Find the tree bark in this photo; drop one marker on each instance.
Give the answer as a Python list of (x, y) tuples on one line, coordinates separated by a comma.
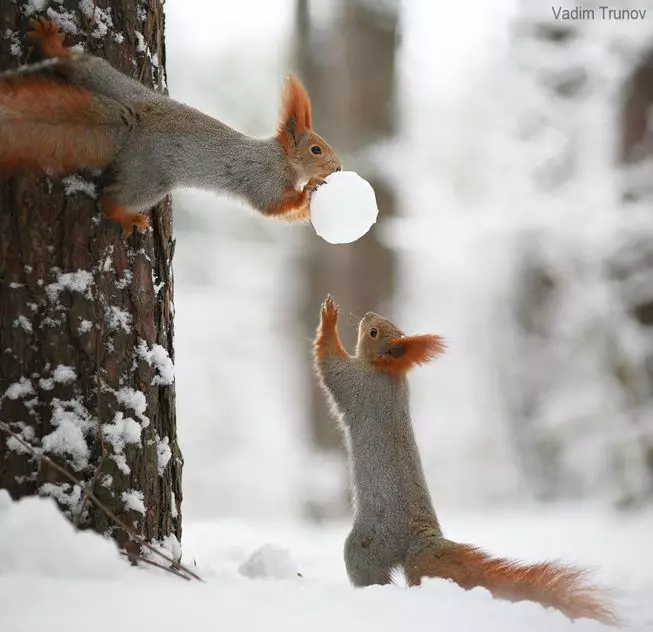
[(86, 317)]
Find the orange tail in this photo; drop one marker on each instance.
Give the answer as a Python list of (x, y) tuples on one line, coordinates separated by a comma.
[(550, 584), (53, 126)]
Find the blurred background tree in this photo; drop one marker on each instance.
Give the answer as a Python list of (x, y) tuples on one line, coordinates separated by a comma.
[(510, 154), (349, 69)]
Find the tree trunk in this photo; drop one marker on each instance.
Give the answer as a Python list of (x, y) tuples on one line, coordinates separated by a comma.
[(635, 260), (86, 318), (354, 106)]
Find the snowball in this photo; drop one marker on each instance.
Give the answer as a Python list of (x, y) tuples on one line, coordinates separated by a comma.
[(269, 562), (343, 209)]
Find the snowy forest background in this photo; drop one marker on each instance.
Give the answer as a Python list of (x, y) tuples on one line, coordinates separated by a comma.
[(511, 157)]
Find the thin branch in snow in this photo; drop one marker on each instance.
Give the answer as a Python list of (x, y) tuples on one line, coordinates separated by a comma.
[(73, 479)]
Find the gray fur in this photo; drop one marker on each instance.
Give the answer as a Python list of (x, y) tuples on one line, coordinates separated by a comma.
[(174, 146), (393, 512), (171, 145), (97, 75), (163, 145)]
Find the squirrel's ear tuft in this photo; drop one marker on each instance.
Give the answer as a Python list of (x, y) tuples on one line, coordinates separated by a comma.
[(295, 112), (402, 354)]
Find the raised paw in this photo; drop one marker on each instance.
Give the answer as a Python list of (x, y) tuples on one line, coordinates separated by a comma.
[(45, 34), (330, 310)]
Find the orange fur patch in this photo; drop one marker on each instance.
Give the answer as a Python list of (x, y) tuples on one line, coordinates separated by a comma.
[(126, 219), (296, 117), (408, 352), (293, 207), (46, 36), (547, 583), (327, 344), (47, 125)]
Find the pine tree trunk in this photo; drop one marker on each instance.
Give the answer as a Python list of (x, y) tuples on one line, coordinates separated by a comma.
[(86, 318)]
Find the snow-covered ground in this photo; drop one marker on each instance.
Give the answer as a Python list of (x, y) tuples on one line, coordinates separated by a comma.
[(54, 579)]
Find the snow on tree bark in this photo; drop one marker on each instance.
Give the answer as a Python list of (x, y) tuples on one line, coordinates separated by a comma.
[(86, 318)]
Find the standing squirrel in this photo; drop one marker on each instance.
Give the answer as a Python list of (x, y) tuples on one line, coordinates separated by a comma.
[(395, 525), (80, 112)]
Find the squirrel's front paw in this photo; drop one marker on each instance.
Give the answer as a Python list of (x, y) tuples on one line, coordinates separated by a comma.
[(330, 310), (315, 183)]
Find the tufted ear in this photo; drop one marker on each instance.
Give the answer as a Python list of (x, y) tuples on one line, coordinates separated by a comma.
[(296, 116), (402, 354)]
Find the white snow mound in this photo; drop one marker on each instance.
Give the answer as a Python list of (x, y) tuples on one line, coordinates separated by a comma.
[(343, 209), (269, 562), (37, 539)]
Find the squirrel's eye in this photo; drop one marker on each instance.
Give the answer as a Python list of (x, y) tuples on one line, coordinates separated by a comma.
[(316, 149), (373, 333)]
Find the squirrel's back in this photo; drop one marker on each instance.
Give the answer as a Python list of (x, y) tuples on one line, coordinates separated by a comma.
[(47, 124)]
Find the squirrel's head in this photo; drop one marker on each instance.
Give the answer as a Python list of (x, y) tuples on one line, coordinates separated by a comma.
[(388, 349), (309, 153)]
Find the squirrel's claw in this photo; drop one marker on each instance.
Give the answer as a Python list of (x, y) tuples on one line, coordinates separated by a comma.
[(315, 183), (330, 308), (45, 34)]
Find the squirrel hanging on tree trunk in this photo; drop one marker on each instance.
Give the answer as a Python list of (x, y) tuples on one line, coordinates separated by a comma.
[(395, 525), (78, 112)]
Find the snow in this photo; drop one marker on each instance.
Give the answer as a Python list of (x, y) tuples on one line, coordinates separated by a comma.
[(72, 423), (65, 20), (344, 208), (35, 6), (269, 562), (15, 46), (140, 42), (133, 500), (65, 494), (46, 383), (100, 17), (163, 453), (36, 541), (45, 561), (135, 400), (85, 326), (475, 142), (120, 433), (19, 389), (77, 184), (24, 323), (119, 319), (126, 280), (79, 281), (158, 358), (64, 374)]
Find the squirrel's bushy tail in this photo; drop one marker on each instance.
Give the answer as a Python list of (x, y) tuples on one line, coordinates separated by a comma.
[(548, 583), (54, 126)]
